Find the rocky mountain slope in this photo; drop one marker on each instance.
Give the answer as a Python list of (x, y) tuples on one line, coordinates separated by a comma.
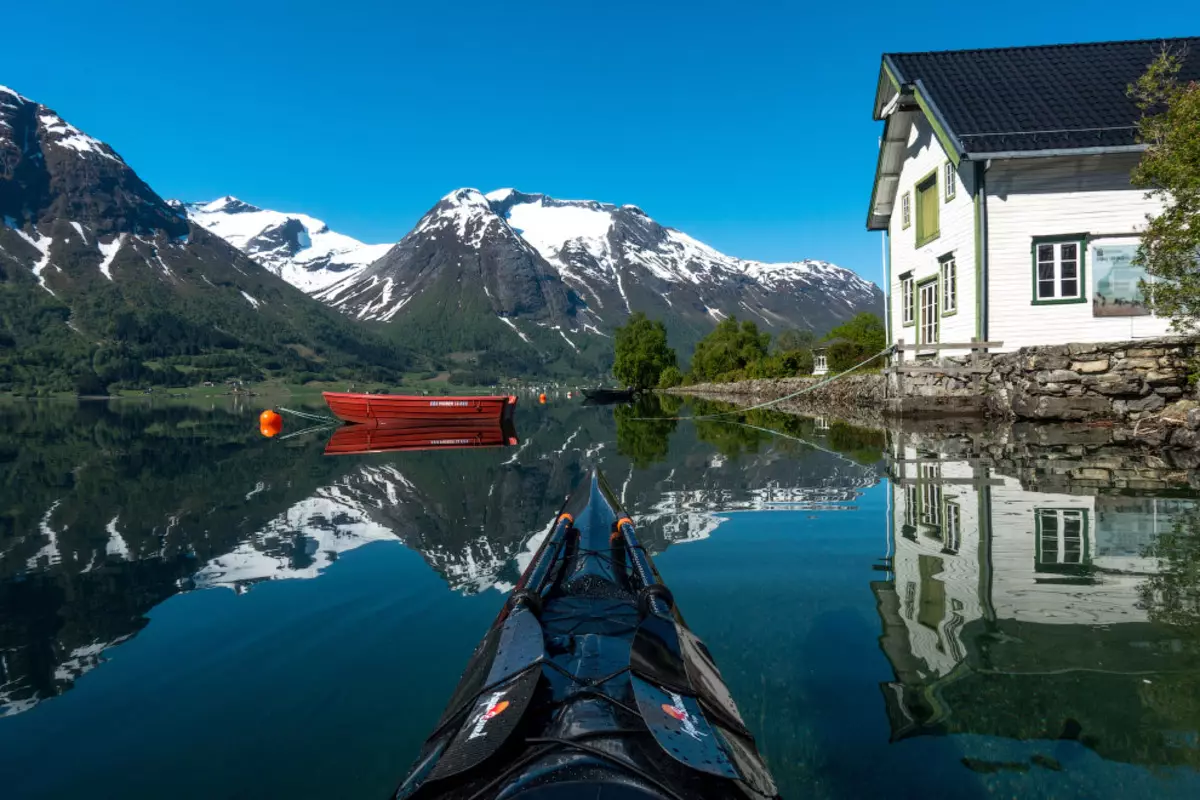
[(296, 247), (101, 280), (575, 270), (534, 279)]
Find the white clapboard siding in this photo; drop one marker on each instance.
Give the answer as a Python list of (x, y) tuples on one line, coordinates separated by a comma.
[(1048, 197), (942, 648), (1016, 592), (956, 222)]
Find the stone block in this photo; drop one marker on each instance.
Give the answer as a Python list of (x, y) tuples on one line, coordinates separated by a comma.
[(1169, 391), (1114, 384), (1090, 367), (1137, 363), (1145, 352), (1161, 376), (1047, 361), (1193, 419), (1151, 402), (1065, 408), (1057, 376), (1091, 474), (1081, 349)]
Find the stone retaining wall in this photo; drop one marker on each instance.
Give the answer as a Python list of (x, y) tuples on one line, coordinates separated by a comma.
[(852, 396), (1120, 381)]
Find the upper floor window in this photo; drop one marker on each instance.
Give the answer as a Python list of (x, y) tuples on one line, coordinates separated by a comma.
[(949, 175), (949, 275), (908, 304), (1058, 275), (905, 210), (927, 209)]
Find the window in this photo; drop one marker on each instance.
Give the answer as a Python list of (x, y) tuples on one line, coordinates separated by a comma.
[(1058, 271), (907, 303), (905, 210), (820, 364), (953, 536), (927, 302), (927, 209), (1062, 534), (949, 176), (949, 271)]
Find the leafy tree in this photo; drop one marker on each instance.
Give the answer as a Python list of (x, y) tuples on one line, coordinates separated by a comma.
[(1172, 595), (641, 352), (644, 429), (1170, 171), (670, 377), (855, 340), (730, 347)]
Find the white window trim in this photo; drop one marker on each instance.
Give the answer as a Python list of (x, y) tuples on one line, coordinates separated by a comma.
[(908, 300), (906, 210), (1080, 249), (951, 185), (948, 269)]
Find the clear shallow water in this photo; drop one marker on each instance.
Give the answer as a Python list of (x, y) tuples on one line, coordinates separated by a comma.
[(188, 609)]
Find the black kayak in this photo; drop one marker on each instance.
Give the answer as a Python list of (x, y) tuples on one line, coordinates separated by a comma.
[(608, 396), (590, 685)]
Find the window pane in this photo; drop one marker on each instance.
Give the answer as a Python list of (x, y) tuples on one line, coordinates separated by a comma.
[(1045, 290), (1069, 251), (1068, 269), (1070, 288), (1045, 271), (1045, 252)]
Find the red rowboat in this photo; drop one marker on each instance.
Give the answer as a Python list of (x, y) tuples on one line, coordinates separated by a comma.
[(433, 435), (382, 407)]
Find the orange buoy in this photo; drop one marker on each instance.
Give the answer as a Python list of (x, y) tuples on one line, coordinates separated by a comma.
[(542, 398), (270, 423)]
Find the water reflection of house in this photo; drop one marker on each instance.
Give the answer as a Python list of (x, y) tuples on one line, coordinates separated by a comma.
[(1016, 613)]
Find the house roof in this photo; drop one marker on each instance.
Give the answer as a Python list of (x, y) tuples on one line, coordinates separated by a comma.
[(1052, 97), (1013, 102)]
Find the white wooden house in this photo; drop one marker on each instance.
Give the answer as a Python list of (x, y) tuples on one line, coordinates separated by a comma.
[(1003, 188)]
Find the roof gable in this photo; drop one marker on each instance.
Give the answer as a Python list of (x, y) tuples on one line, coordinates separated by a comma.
[(1026, 99)]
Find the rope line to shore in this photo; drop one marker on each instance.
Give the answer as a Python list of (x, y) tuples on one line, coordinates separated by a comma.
[(306, 415), (885, 351)]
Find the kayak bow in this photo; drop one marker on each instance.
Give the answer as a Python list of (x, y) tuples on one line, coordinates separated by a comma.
[(589, 684)]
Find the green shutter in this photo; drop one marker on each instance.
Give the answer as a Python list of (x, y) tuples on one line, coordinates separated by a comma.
[(928, 204)]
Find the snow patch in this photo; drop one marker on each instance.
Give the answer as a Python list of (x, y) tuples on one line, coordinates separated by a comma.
[(116, 545), (67, 135), (108, 252), (251, 300), (513, 325)]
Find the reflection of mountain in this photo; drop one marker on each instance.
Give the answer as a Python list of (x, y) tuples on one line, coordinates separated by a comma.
[(123, 505), (1013, 612)]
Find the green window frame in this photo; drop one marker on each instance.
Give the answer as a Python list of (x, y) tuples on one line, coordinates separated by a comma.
[(927, 201), (1059, 266), (949, 181), (905, 210), (929, 325), (908, 301), (948, 273), (1062, 540)]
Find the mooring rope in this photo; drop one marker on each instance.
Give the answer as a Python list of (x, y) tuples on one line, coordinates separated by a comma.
[(306, 415), (805, 390)]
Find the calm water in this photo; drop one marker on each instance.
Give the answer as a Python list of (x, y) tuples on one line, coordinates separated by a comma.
[(189, 610)]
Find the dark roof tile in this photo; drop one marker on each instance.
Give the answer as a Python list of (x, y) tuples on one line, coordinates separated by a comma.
[(1037, 98)]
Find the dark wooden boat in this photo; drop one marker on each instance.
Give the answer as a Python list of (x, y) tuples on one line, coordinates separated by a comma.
[(364, 408), (420, 435), (590, 685), (604, 396)]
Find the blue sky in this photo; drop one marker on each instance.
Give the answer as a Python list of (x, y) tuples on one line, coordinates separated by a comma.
[(746, 124)]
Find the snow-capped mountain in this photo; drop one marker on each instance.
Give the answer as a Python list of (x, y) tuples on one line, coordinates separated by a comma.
[(82, 233), (298, 248), (577, 268)]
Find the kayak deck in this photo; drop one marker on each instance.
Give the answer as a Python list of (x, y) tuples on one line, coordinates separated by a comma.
[(589, 684)]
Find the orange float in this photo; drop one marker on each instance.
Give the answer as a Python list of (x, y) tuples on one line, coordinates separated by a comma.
[(542, 398), (270, 423)]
